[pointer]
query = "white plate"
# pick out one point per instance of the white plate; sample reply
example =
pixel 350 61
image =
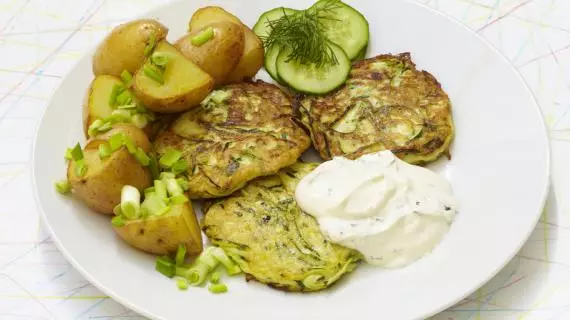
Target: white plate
pixel 499 172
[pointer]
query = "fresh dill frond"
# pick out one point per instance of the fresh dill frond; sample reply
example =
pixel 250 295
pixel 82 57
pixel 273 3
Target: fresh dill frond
pixel 303 35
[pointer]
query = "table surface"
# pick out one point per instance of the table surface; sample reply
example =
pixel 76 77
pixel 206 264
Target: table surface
pixel 40 41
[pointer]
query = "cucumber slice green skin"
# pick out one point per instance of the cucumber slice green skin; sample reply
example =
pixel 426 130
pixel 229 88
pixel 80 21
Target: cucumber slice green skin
pixel 348 28
pixel 261 28
pixel 270 63
pixel 304 78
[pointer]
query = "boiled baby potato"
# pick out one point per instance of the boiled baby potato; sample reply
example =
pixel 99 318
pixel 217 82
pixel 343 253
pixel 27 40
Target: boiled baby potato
pixel 220 55
pixel 162 234
pixel 252 56
pixel 184 85
pixel 100 186
pixel 124 47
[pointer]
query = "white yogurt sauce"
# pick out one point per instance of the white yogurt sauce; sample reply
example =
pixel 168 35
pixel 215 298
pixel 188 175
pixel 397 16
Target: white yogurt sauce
pixel 390 211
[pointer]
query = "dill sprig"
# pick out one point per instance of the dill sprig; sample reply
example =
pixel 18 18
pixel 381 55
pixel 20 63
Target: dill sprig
pixel 303 35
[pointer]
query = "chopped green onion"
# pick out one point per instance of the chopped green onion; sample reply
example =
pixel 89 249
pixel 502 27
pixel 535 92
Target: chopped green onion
pixel 203 265
pixel 169 158
pixel 167 175
pixel 218 288
pixel 94 127
pixel 149 190
pixel 182 284
pixel 68 155
pixel 105 127
pixel 153 167
pixel 165 267
pixel 117 90
pixel 160 189
pixel 160 58
pixel 183 183
pixel 118 221
pixel 130 202
pixel 127 77
pixel 202 37
pixel 180 255
pixel 119 115
pixel 77 153
pixel 130 106
pixel 181 271
pixel 141 157
pixel 80 168
pixel 124 98
pixel 215 277
pixel 116 141
pixel 153 73
pixel 128 142
pixel 150 44
pixel 173 187
pixel 179 166
pixel 140 120
pixel 63 186
pixel 231 267
pixel 141 108
pixel 104 150
pixel 179 199
pixel 154 205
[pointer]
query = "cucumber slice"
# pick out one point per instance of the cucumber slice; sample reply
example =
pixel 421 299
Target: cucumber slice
pixel 269 63
pixel 308 79
pixel 346 27
pixel 262 28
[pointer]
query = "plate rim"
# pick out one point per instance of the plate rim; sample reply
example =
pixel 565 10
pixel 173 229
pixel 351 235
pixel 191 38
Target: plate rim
pixel 433 311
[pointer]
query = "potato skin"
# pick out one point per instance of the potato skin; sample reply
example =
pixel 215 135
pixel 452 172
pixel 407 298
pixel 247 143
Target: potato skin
pixel 161 235
pixel 252 56
pixel 221 54
pixel 123 48
pixel 186 85
pixel 100 188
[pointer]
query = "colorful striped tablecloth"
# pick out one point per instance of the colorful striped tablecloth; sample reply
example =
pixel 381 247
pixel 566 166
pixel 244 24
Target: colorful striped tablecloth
pixel 40 40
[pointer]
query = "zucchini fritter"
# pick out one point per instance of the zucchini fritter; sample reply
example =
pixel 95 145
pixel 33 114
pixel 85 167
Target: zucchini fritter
pixel 386 104
pixel 274 242
pixel 240 132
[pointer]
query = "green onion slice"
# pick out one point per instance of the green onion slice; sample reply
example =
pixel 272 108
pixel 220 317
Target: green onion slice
pixel 179 166
pixel 153 167
pixel 218 288
pixel 165 267
pixel 231 267
pixel 124 98
pixel 118 221
pixel 126 77
pixel 80 168
pixel 142 157
pixel 180 255
pixel 160 189
pixel 116 141
pixel 104 150
pixel 215 277
pixel 63 186
pixel 140 120
pixel 150 44
pixel 68 155
pixel 173 188
pixel 183 183
pixel 160 58
pixel 153 73
pixel 77 153
pixel 179 199
pixel 155 205
pixel 202 37
pixel 129 143
pixel 182 284
pixel 130 202
pixel 169 158
pixel 117 90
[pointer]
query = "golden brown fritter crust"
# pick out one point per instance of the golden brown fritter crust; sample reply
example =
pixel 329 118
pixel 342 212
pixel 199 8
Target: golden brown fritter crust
pixel 273 241
pixel 240 132
pixel 386 104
